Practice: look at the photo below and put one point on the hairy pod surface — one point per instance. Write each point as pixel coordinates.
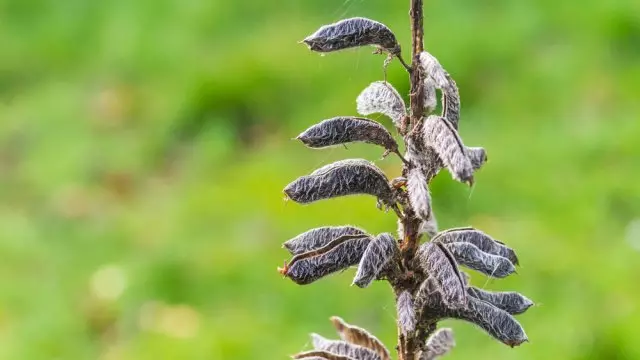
(477, 156)
(382, 98)
(444, 139)
(418, 192)
(319, 237)
(478, 238)
(438, 344)
(359, 336)
(346, 129)
(430, 100)
(341, 178)
(406, 313)
(379, 253)
(439, 264)
(343, 348)
(509, 301)
(353, 32)
(320, 355)
(443, 81)
(471, 256)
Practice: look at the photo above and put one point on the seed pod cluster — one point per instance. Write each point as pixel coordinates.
(478, 238)
(379, 253)
(382, 98)
(471, 256)
(509, 301)
(438, 263)
(353, 32)
(406, 313)
(319, 237)
(438, 344)
(359, 336)
(441, 79)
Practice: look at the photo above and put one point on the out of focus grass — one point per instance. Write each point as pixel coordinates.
(144, 145)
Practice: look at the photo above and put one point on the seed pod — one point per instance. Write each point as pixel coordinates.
(319, 237)
(376, 257)
(346, 129)
(436, 261)
(418, 191)
(406, 313)
(429, 300)
(443, 81)
(341, 178)
(351, 33)
(478, 238)
(509, 301)
(443, 138)
(478, 157)
(360, 336)
(380, 97)
(429, 227)
(438, 344)
(343, 348)
(339, 254)
(430, 101)
(498, 323)
(320, 355)
(471, 256)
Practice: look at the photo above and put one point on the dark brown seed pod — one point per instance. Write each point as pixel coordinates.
(436, 261)
(379, 253)
(346, 129)
(360, 336)
(509, 301)
(497, 323)
(478, 238)
(438, 344)
(478, 157)
(382, 98)
(341, 178)
(406, 313)
(418, 192)
(343, 348)
(339, 254)
(471, 256)
(351, 33)
(444, 139)
(443, 81)
(319, 237)
(320, 355)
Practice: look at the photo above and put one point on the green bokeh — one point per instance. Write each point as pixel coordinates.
(144, 145)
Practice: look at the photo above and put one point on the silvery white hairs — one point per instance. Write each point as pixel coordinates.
(406, 313)
(477, 156)
(509, 301)
(438, 344)
(478, 238)
(350, 33)
(360, 336)
(440, 135)
(430, 100)
(471, 256)
(380, 251)
(319, 237)
(382, 98)
(419, 194)
(435, 260)
(339, 347)
(439, 78)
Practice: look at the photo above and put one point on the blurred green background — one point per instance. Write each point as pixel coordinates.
(144, 145)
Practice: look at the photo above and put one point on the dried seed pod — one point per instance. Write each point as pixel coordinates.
(429, 300)
(432, 68)
(351, 33)
(430, 101)
(438, 344)
(343, 348)
(498, 323)
(436, 261)
(346, 177)
(320, 355)
(360, 336)
(478, 157)
(478, 238)
(418, 191)
(376, 257)
(319, 237)
(429, 227)
(339, 254)
(406, 313)
(471, 256)
(443, 81)
(444, 139)
(509, 301)
(346, 129)
(381, 98)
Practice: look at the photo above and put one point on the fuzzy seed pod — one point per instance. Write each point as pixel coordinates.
(335, 256)
(430, 100)
(418, 191)
(430, 227)
(436, 261)
(360, 336)
(497, 323)
(343, 348)
(381, 98)
(444, 139)
(471, 256)
(478, 157)
(351, 33)
(478, 238)
(429, 300)
(346, 129)
(341, 178)
(319, 237)
(438, 344)
(406, 313)
(509, 301)
(320, 355)
(378, 254)
(443, 81)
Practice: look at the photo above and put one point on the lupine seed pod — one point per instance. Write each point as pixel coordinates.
(346, 129)
(341, 178)
(478, 157)
(471, 256)
(436, 261)
(351, 33)
(478, 238)
(429, 300)
(444, 139)
(319, 237)
(496, 322)
(443, 81)
(406, 313)
(360, 336)
(343, 348)
(429, 227)
(418, 191)
(430, 100)
(339, 254)
(381, 98)
(380, 251)
(438, 344)
(320, 355)
(509, 301)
